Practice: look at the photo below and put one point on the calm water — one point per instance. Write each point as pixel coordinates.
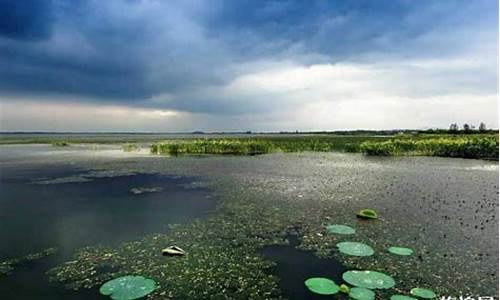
(294, 266)
(72, 215)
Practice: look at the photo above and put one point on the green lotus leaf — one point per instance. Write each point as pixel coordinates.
(340, 229)
(128, 287)
(400, 251)
(355, 249)
(360, 293)
(369, 279)
(423, 293)
(367, 213)
(322, 286)
(402, 297)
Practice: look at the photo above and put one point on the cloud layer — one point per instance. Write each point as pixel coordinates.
(237, 65)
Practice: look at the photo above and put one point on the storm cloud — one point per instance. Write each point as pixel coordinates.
(252, 61)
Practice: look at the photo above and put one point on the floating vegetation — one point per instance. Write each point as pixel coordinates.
(355, 249)
(322, 286)
(60, 144)
(130, 147)
(460, 146)
(340, 229)
(344, 288)
(369, 279)
(259, 211)
(360, 293)
(128, 287)
(142, 190)
(400, 251)
(402, 297)
(423, 293)
(8, 266)
(367, 213)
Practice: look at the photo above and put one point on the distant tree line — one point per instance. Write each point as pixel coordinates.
(468, 128)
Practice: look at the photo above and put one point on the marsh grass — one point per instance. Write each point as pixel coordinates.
(255, 146)
(485, 147)
(130, 147)
(60, 144)
(464, 146)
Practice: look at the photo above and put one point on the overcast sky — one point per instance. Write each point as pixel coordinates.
(132, 65)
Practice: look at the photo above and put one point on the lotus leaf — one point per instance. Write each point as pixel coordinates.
(360, 293)
(340, 229)
(322, 286)
(128, 287)
(400, 251)
(355, 249)
(367, 214)
(423, 293)
(369, 279)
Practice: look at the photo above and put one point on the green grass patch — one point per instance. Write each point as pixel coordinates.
(263, 145)
(130, 147)
(483, 147)
(60, 144)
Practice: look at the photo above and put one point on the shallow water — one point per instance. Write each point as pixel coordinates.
(36, 215)
(445, 209)
(294, 266)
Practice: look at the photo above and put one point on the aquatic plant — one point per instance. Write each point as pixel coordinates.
(8, 266)
(355, 249)
(400, 251)
(485, 147)
(60, 144)
(128, 287)
(369, 279)
(261, 145)
(130, 147)
(344, 288)
(367, 213)
(360, 293)
(423, 293)
(322, 286)
(340, 229)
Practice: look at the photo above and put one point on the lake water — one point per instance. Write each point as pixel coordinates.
(72, 197)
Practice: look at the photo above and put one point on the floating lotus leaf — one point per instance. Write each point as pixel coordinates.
(367, 213)
(360, 293)
(423, 293)
(355, 249)
(402, 297)
(128, 287)
(322, 286)
(400, 251)
(369, 279)
(340, 229)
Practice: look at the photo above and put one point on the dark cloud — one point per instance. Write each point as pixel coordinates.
(134, 51)
(26, 19)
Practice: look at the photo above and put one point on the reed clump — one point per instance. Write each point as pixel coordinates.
(60, 144)
(213, 146)
(485, 147)
(130, 147)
